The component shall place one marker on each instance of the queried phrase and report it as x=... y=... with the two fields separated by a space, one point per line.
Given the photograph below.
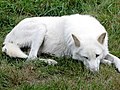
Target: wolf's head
x=90 y=52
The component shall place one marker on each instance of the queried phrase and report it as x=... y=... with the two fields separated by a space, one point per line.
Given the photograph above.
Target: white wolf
x=79 y=36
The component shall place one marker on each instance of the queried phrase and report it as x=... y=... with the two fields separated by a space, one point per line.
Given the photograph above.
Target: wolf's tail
x=13 y=50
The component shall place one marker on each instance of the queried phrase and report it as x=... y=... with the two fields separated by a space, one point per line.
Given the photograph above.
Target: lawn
x=16 y=74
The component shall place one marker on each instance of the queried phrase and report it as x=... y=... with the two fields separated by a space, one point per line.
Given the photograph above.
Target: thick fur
x=79 y=36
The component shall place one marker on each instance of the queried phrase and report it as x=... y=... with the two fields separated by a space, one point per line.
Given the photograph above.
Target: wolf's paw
x=106 y=62
x=109 y=62
x=51 y=62
x=118 y=68
x=31 y=58
x=117 y=64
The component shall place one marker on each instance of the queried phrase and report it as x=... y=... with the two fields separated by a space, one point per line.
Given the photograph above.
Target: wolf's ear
x=76 y=41
x=102 y=38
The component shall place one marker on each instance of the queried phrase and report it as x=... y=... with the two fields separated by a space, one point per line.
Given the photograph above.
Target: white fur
x=54 y=35
x=13 y=51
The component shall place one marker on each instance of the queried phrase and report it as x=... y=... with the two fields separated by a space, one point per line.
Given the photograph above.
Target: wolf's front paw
x=117 y=64
x=106 y=62
x=31 y=58
x=118 y=67
x=51 y=61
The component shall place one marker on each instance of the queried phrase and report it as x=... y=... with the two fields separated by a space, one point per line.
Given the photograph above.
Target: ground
x=17 y=74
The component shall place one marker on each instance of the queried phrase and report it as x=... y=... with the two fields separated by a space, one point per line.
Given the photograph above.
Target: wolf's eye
x=97 y=55
x=85 y=57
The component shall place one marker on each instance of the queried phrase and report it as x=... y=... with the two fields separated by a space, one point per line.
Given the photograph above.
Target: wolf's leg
x=37 y=40
x=115 y=60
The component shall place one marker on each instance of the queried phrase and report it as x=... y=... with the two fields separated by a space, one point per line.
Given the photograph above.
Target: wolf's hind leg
x=115 y=60
x=37 y=40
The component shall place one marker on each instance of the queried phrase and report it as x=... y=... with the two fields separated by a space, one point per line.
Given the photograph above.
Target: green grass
x=16 y=74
